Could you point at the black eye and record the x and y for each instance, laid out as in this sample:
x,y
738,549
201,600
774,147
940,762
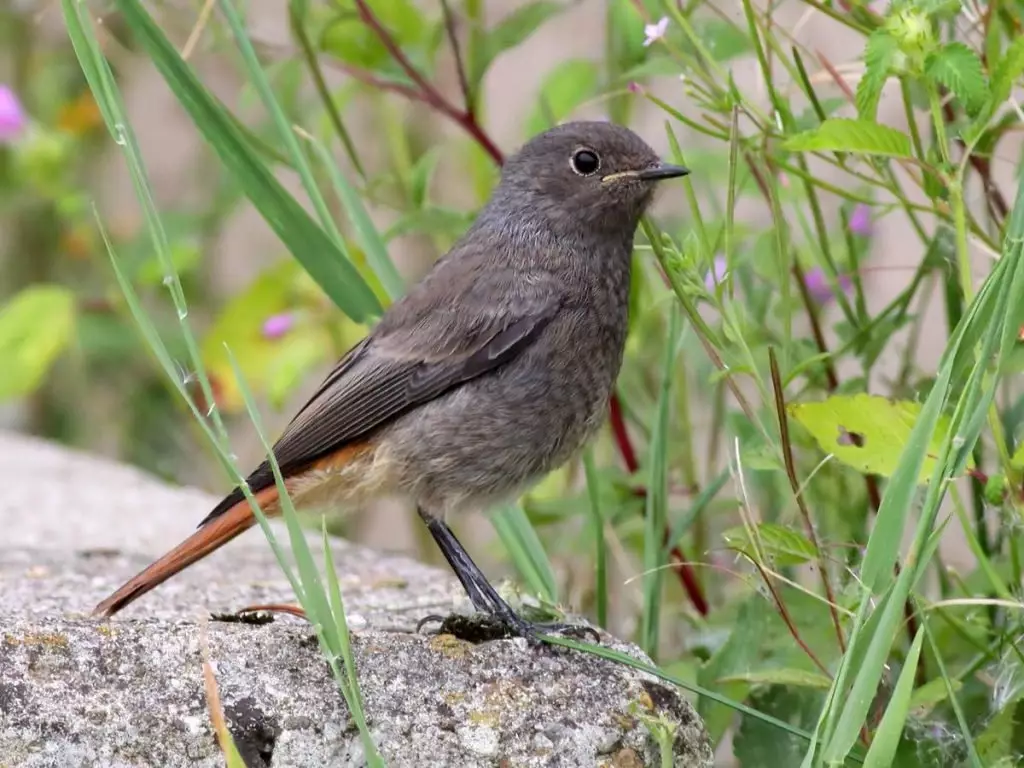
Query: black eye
x,y
585,162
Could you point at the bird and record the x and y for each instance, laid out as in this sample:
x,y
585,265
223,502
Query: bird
x,y
493,370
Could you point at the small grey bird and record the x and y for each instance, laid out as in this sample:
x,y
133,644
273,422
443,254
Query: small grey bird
x,y
489,373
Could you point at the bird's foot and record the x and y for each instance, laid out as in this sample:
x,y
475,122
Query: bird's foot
x,y
483,627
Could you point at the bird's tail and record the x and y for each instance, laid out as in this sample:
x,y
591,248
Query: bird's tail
x,y
210,537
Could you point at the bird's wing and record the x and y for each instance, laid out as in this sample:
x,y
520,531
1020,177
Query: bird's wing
x,y
434,342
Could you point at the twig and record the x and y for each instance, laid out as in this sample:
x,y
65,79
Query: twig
x,y
460,67
794,482
428,93
786,617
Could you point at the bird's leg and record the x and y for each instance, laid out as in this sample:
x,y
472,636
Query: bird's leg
x,y
502,620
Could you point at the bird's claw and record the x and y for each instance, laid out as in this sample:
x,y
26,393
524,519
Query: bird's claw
x,y
484,627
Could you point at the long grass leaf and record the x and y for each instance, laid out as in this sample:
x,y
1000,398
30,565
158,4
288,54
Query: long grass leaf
x,y
307,242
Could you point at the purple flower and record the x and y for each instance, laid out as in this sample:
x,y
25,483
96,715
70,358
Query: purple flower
x,y
12,116
860,220
716,275
276,326
819,288
656,31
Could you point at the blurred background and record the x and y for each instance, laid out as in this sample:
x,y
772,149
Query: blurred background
x,y
76,369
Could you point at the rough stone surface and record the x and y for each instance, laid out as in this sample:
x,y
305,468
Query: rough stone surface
x,y
75,691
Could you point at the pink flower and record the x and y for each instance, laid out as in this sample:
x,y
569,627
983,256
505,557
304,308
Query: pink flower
x,y
716,275
860,220
656,31
819,288
12,116
276,326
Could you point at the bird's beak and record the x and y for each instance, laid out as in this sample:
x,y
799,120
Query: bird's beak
x,y
662,171
656,173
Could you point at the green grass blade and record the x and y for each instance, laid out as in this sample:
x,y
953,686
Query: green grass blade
x,y
986,320
307,242
258,78
525,549
369,237
657,496
629,661
887,737
600,549
353,696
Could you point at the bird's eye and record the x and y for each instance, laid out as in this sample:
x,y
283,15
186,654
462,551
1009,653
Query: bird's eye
x,y
585,162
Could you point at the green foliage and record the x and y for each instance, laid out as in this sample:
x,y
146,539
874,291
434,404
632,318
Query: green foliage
x,y
861,136
802,611
880,58
959,69
869,433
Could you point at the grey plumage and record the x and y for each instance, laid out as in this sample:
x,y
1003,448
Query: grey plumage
x,y
540,284
490,372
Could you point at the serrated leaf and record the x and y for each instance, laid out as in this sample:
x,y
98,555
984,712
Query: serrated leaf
x,y
783,545
36,325
567,86
1004,75
799,678
959,69
840,134
868,432
879,55
1006,72
510,32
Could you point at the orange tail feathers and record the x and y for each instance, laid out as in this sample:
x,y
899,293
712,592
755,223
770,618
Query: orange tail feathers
x,y
212,536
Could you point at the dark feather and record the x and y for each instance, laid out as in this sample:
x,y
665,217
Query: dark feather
x,y
387,374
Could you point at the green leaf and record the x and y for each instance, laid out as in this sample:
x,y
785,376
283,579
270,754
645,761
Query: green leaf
x,y
798,678
510,32
1006,72
868,432
879,55
839,134
959,69
307,242
35,327
932,693
347,38
566,87
783,545
723,39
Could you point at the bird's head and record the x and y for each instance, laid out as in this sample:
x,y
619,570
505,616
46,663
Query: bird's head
x,y
596,173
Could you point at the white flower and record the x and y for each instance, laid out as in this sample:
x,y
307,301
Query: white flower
x,y
654,32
